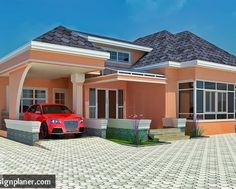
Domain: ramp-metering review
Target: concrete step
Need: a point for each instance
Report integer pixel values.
(167, 134)
(171, 138)
(164, 131)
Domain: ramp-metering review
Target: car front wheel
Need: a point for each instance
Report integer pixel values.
(43, 131)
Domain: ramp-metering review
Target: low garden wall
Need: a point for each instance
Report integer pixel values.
(125, 129)
(95, 127)
(26, 132)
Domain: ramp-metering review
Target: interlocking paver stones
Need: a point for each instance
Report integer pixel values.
(98, 163)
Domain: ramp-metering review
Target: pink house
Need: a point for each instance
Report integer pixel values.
(162, 75)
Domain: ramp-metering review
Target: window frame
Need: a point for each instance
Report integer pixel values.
(117, 56)
(60, 90)
(178, 95)
(33, 98)
(199, 85)
(107, 104)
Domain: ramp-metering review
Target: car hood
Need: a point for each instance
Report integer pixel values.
(62, 116)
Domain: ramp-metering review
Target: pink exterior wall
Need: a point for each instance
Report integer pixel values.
(174, 75)
(63, 83)
(147, 99)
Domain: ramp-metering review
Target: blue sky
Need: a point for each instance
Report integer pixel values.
(23, 20)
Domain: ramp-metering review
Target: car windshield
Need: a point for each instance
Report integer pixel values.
(56, 109)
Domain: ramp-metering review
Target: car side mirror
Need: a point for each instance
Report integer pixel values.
(38, 112)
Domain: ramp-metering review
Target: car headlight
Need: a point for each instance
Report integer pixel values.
(55, 121)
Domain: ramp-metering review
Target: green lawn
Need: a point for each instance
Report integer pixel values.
(129, 143)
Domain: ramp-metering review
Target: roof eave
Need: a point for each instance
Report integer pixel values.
(118, 44)
(187, 64)
(36, 45)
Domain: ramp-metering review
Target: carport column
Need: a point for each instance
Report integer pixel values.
(78, 81)
(16, 82)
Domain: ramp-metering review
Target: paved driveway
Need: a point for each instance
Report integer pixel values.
(98, 163)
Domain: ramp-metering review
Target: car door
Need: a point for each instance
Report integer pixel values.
(37, 115)
(28, 113)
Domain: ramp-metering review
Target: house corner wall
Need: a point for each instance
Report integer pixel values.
(147, 99)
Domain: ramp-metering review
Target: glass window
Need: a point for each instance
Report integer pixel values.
(59, 97)
(221, 86)
(200, 84)
(92, 103)
(230, 102)
(230, 87)
(210, 85)
(210, 101)
(92, 97)
(188, 85)
(55, 109)
(221, 116)
(113, 55)
(210, 116)
(221, 101)
(186, 101)
(31, 96)
(119, 57)
(92, 112)
(200, 101)
(27, 93)
(40, 94)
(123, 57)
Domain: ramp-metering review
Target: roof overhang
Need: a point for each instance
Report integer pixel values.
(35, 45)
(118, 44)
(188, 64)
(128, 76)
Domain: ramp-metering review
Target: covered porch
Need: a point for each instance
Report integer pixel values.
(119, 94)
(39, 73)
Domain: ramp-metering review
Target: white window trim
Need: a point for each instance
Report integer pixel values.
(222, 102)
(60, 90)
(34, 88)
(203, 89)
(107, 102)
(117, 59)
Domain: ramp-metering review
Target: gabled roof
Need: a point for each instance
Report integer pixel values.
(181, 47)
(63, 36)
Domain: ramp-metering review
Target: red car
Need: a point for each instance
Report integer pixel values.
(56, 119)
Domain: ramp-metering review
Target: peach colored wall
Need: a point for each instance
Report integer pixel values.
(63, 83)
(215, 75)
(50, 56)
(147, 99)
(175, 75)
(14, 61)
(112, 85)
(213, 128)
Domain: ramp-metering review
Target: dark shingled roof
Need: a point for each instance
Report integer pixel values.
(181, 47)
(63, 36)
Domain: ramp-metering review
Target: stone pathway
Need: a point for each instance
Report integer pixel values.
(98, 163)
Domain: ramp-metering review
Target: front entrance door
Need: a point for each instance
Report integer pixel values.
(106, 103)
(101, 110)
(112, 104)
